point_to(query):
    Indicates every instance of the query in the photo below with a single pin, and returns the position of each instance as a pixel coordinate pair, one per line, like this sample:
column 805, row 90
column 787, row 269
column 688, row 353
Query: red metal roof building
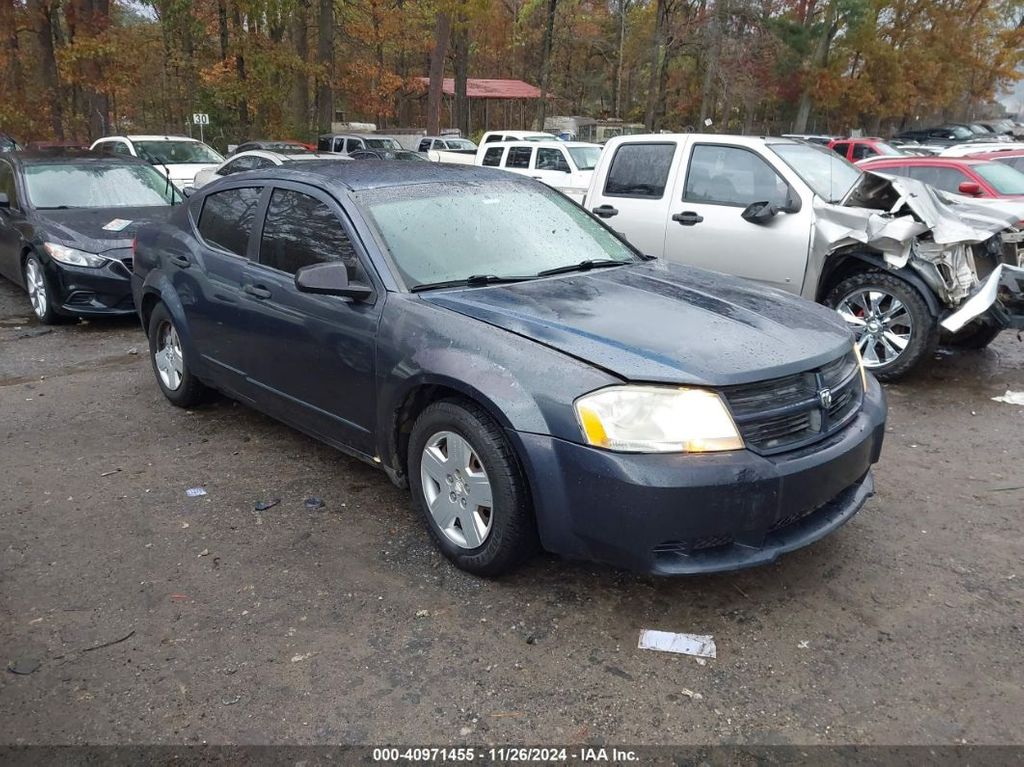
column 493, row 103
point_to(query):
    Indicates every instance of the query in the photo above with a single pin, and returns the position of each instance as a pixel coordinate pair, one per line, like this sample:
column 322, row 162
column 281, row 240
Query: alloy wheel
column 457, row 490
column 170, row 362
column 881, row 323
column 35, row 282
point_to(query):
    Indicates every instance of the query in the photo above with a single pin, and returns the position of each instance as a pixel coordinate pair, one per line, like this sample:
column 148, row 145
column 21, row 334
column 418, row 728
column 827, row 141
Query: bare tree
column 442, row 34
column 325, row 59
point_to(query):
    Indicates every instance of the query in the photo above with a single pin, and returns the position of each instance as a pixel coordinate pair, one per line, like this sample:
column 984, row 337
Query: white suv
column 179, row 158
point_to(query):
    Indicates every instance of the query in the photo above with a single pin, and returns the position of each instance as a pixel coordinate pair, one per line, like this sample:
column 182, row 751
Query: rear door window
column 301, row 230
column 425, row 145
column 639, row 170
column 842, row 148
column 492, row 157
column 227, row 218
column 518, row 157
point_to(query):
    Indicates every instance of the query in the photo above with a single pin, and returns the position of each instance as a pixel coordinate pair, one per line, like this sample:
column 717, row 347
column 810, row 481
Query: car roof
column 995, row 154
column 382, row 174
column 532, row 144
column 61, row 156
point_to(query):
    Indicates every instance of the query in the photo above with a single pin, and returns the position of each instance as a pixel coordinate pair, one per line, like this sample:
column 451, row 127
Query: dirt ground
column 342, row 625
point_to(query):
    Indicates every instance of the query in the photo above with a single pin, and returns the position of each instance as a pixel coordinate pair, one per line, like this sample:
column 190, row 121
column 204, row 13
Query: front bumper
column 91, row 292
column 685, row 514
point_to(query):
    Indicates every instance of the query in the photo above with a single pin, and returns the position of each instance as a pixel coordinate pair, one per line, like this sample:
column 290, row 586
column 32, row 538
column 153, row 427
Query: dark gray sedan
column 534, row 380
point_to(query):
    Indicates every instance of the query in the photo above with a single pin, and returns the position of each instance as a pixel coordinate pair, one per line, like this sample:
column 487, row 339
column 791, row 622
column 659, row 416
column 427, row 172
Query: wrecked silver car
column 904, row 264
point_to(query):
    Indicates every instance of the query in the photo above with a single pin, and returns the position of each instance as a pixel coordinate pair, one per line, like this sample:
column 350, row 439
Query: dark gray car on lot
column 531, row 377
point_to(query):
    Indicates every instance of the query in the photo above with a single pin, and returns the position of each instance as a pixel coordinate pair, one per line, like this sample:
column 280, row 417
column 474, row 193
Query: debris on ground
column 700, row 645
column 691, row 694
column 264, row 505
column 133, row 351
column 314, row 503
column 23, row 666
column 231, row 701
column 109, row 473
column 129, row 635
column 195, row 492
column 423, row 613
column 204, row 553
column 1011, row 398
column 300, row 658
column 804, row 644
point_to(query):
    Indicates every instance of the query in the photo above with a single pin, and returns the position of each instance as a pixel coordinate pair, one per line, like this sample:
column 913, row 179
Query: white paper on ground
column 701, row 645
column 1011, row 398
column 195, row 492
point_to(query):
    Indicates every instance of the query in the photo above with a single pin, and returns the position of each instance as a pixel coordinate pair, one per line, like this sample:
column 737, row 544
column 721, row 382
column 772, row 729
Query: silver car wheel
column 170, row 362
column 456, row 489
column 880, row 322
column 35, row 282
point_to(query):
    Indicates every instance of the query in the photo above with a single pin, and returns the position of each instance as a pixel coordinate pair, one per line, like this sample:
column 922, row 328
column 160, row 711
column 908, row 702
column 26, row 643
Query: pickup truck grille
column 793, row 411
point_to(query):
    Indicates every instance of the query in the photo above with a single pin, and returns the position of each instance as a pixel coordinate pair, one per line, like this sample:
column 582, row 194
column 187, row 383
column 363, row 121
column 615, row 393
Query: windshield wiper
column 583, row 266
column 473, row 281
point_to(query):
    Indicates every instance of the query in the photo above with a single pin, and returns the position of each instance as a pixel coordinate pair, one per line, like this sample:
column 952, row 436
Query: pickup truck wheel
column 893, row 326
column 467, row 482
column 976, row 335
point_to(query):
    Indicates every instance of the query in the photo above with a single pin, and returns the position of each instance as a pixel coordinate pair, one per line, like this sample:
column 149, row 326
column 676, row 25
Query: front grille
column 796, row 410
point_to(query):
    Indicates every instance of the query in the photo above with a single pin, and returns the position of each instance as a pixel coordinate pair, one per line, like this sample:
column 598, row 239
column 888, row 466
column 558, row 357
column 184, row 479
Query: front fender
column 524, row 385
column 158, row 284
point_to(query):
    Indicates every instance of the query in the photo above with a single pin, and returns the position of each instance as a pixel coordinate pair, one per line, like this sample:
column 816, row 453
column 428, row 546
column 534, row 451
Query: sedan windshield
column 176, row 152
column 440, row 233
column 1003, row 178
column 585, row 157
column 830, row 176
column 92, row 185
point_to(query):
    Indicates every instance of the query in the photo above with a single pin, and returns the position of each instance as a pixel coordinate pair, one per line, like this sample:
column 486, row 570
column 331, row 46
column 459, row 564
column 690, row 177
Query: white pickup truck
column 900, row 261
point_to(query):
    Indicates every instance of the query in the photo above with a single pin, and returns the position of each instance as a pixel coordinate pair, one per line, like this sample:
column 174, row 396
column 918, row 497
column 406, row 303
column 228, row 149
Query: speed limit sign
column 200, row 118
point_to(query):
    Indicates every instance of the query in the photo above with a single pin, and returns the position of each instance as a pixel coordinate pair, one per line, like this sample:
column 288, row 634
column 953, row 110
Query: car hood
column 82, row 228
column 663, row 323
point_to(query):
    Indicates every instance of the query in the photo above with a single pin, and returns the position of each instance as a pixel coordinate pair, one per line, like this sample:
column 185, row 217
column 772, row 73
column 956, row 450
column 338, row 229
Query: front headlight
column 657, row 419
column 72, row 256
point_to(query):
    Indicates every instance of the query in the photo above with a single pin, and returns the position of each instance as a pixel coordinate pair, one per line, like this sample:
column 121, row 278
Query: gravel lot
column 342, row 625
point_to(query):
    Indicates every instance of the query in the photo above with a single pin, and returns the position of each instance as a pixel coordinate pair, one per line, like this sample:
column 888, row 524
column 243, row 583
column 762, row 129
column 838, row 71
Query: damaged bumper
column 969, row 252
column 1000, row 298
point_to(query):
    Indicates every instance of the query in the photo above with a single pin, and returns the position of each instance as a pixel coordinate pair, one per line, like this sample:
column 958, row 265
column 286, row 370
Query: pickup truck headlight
column 73, row 257
column 657, row 419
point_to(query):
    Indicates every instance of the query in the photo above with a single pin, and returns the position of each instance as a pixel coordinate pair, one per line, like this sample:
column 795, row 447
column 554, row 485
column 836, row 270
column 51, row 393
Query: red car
column 960, row 175
column 854, row 149
column 1012, row 157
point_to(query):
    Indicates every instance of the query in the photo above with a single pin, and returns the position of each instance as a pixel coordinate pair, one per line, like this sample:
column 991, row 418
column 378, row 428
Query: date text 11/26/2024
column 492, row 754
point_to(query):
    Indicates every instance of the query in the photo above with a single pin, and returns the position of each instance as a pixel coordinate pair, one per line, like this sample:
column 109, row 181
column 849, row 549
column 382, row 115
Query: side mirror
column 971, row 188
column 330, row 279
column 759, row 212
column 187, row 191
column 5, row 201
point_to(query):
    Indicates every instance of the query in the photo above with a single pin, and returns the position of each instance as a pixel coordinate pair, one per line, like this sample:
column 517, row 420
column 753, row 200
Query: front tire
column 891, row 322
column 470, row 488
column 170, row 366
column 40, row 294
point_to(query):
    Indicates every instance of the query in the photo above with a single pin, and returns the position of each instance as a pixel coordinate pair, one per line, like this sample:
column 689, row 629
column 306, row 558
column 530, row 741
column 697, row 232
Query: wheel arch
column 411, row 402
column 839, row 267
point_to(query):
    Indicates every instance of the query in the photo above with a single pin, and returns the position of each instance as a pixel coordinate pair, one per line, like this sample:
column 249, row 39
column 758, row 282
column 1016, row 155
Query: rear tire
column 468, row 484
column 890, row 320
column 170, row 364
column 975, row 335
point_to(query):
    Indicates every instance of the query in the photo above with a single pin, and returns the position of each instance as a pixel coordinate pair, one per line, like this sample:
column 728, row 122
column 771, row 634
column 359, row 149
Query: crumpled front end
column 969, row 252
